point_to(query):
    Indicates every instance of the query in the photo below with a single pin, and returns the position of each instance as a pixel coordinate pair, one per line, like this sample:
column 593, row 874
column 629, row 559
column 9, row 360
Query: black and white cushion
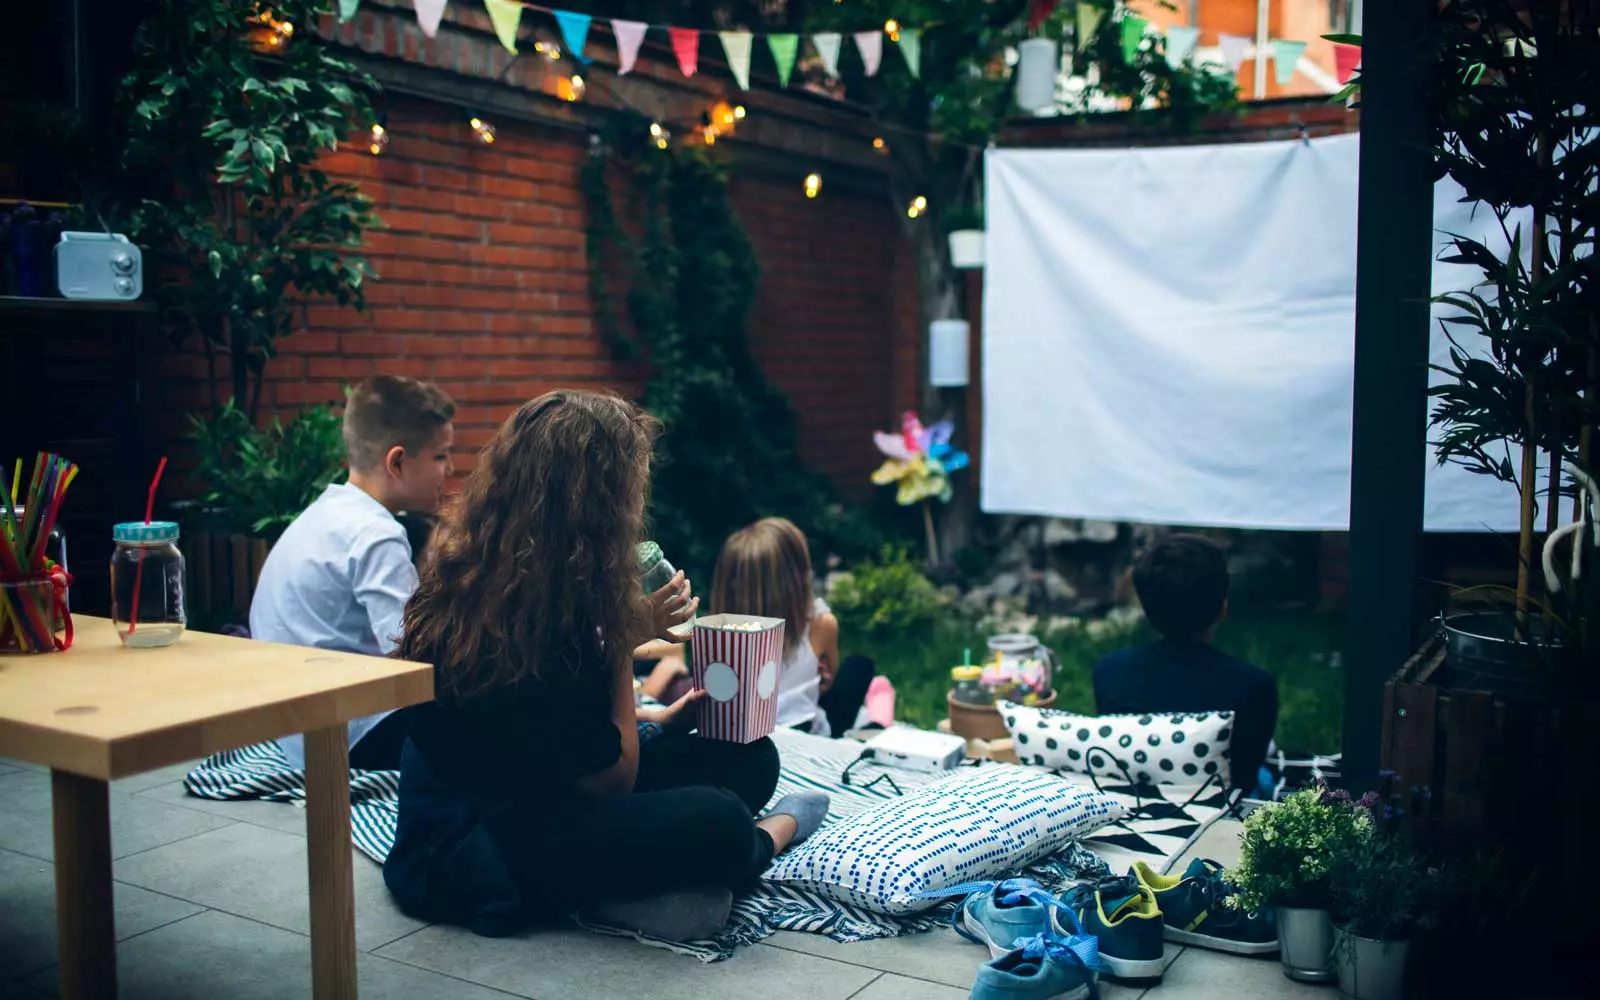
column 1170, row 749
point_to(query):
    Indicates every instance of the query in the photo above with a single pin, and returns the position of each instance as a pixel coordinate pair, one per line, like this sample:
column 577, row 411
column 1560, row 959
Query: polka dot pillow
column 981, row 823
column 1175, row 748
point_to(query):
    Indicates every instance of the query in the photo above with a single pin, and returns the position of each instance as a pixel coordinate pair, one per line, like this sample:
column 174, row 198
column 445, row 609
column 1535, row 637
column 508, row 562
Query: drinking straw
column 16, row 477
column 138, row 566
column 966, row 657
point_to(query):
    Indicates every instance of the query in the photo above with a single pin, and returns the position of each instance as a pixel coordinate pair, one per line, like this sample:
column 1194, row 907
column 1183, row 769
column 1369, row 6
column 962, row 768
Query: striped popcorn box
column 735, row 658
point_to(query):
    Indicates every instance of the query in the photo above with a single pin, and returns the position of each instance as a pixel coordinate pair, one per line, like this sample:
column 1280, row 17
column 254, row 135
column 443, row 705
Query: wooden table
column 99, row 711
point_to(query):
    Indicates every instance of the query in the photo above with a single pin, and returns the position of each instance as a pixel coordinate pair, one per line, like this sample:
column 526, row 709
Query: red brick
column 377, row 344
column 341, row 368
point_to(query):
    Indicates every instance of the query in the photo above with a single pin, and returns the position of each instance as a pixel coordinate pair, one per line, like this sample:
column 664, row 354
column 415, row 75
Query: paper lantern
column 1037, row 66
column 947, row 352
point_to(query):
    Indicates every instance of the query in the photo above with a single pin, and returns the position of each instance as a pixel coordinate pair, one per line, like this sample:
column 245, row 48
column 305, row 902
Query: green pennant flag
column 1088, row 23
column 785, row 48
column 507, row 17
column 911, row 47
column 347, row 9
column 1132, row 34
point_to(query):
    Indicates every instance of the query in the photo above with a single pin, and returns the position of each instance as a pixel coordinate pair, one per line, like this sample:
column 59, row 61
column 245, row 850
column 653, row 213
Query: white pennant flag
column 871, row 45
column 736, row 45
column 1233, row 50
column 1181, row 41
column 629, row 35
column 429, row 14
column 827, row 45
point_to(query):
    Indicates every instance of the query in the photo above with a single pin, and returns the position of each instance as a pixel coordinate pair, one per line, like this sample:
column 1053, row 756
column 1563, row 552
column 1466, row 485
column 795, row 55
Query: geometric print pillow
column 977, row 824
column 1167, row 749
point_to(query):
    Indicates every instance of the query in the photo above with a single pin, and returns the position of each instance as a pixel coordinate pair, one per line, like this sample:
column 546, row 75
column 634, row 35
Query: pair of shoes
column 1034, row 955
column 1195, row 911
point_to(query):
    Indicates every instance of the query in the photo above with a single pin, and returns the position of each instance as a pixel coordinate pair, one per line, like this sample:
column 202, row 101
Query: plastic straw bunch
column 22, row 544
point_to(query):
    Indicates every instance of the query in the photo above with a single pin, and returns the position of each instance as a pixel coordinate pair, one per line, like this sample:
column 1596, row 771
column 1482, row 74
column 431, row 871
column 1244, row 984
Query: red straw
column 138, row 566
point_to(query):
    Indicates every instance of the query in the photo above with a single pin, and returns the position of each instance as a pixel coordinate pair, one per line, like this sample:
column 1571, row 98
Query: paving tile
column 218, row 955
column 258, row 873
column 7, row 767
column 19, row 991
column 1220, row 843
column 892, row 987
column 283, row 816
column 150, row 779
column 576, row 965
column 12, row 764
column 137, row 823
column 28, row 913
column 1208, row 975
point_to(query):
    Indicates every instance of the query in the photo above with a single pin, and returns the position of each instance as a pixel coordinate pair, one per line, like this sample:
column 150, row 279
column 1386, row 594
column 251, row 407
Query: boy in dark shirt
column 1182, row 582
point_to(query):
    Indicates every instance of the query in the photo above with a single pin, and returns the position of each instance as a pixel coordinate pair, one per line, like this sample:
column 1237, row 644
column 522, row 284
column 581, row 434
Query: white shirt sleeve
column 384, row 579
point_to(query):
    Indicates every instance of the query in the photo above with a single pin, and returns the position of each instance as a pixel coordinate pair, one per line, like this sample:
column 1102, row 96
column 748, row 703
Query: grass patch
column 1294, row 648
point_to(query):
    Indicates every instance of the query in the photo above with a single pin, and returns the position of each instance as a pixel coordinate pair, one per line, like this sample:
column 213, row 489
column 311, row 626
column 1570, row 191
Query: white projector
column 915, row 749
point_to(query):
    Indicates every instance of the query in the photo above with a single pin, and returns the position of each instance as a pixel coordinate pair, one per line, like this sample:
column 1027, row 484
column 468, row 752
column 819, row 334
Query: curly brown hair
column 535, row 564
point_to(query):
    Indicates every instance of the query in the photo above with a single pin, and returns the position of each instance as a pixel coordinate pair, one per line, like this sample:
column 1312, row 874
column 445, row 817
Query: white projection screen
column 1168, row 337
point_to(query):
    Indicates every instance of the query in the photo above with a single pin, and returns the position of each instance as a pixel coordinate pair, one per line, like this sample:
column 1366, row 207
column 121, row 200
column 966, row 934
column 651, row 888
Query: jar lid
column 138, row 531
column 966, row 673
column 649, row 555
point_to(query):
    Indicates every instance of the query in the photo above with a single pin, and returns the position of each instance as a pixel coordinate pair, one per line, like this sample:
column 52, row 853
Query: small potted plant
column 965, row 225
column 1380, row 890
column 1286, row 865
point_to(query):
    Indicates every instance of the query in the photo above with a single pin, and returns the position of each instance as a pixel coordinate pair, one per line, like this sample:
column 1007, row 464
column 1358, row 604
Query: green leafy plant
column 221, row 183
column 265, row 478
column 965, row 215
column 1287, row 850
column 888, row 595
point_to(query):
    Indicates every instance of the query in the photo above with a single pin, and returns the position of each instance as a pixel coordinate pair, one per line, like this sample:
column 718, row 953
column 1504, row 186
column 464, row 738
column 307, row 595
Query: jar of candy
column 147, row 584
column 965, row 686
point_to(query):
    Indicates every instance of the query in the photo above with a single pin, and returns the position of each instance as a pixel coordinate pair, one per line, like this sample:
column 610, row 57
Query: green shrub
column 885, row 596
column 265, row 478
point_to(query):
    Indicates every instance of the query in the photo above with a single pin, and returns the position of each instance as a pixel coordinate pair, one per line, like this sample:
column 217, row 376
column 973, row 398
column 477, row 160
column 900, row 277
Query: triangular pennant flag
column 1285, row 57
column 575, row 32
column 911, row 48
column 1132, row 34
column 736, row 46
column 1038, row 11
column 1346, row 60
column 827, row 45
column 429, row 14
column 1233, row 50
column 1181, row 40
column 507, row 17
column 630, row 35
column 784, row 50
column 347, row 9
column 870, row 43
column 1088, row 23
column 686, row 46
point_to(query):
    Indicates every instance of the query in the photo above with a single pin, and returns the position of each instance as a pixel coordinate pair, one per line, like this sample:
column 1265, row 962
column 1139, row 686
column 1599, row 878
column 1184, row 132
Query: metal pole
column 1389, row 434
column 1263, row 30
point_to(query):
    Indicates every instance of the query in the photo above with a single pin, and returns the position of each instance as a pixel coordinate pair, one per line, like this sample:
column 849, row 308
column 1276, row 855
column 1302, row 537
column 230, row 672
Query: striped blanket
column 1165, row 822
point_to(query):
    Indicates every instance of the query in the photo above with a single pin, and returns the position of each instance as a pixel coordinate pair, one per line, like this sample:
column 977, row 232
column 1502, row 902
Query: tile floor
column 211, row 901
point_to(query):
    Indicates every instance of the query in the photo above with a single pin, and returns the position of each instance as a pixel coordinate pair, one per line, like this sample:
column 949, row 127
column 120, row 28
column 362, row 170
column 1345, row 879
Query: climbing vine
column 728, row 452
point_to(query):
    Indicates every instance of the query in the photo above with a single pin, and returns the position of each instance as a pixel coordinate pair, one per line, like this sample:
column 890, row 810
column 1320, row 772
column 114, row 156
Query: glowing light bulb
column 377, row 140
column 662, row 140
column 738, row 112
column 711, row 138
column 723, row 116
column 918, row 205
column 891, row 28
column 656, row 130
column 550, row 50
column 484, row 130
column 571, row 88
column 879, row 145
column 813, row 185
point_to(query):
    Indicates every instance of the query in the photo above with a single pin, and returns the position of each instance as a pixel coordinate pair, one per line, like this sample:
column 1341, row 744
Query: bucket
column 966, row 249
column 1370, row 969
column 1483, row 653
column 1305, row 944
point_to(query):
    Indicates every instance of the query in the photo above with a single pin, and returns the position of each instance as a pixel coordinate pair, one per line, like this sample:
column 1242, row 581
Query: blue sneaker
column 1043, row 967
column 1124, row 916
column 998, row 914
column 1194, row 911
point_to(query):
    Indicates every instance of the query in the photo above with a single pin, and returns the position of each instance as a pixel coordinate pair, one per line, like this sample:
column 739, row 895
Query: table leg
column 87, row 941
column 333, row 907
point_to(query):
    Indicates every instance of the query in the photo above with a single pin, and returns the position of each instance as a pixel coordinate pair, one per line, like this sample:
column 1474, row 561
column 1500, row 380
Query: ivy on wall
column 728, row 453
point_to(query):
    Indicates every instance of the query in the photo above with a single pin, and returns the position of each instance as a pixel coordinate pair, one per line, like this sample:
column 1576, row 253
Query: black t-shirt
column 1188, row 676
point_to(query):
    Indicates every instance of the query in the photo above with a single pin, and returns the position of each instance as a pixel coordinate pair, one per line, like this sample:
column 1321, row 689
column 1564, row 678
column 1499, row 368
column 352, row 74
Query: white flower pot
column 1370, row 969
column 1305, row 944
column 966, row 249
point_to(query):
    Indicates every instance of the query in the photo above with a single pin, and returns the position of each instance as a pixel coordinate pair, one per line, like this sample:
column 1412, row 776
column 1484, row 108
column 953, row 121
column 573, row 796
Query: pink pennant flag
column 1346, row 60
column 1233, row 50
column 686, row 45
column 429, row 14
column 870, row 43
column 629, row 35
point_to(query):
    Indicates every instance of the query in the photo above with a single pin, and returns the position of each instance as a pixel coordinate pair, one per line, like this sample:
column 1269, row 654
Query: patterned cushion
column 1175, row 748
column 984, row 823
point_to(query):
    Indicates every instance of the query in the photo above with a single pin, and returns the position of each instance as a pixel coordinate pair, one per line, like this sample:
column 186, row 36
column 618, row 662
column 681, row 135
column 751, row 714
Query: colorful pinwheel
column 920, row 460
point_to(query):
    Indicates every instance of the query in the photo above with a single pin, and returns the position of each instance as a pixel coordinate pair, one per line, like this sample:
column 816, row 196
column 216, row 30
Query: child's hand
column 679, row 716
column 670, row 606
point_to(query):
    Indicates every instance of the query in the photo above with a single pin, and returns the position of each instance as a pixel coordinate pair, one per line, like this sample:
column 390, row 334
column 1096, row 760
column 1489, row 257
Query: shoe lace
column 1080, row 950
column 1008, row 892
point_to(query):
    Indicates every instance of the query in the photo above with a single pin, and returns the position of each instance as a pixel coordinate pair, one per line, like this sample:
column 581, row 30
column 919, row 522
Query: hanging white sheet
column 1169, row 337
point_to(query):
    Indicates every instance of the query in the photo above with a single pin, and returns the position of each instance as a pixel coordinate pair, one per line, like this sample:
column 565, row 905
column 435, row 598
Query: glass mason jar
column 964, row 686
column 147, row 584
column 656, row 572
column 55, row 546
column 31, row 615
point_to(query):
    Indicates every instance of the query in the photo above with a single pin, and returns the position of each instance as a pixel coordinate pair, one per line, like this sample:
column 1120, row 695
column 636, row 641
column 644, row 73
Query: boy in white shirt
column 340, row 576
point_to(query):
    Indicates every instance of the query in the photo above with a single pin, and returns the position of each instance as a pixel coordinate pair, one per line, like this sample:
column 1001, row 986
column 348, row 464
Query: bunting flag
column 686, row 46
column 629, row 35
column 1233, row 48
column 1181, row 42
column 1038, row 12
column 575, row 32
column 827, row 45
column 506, row 16
column 429, row 14
column 911, row 47
column 1088, row 23
column 1285, row 57
column 1346, row 60
column 736, row 46
column 785, row 48
column 347, row 9
column 1132, row 34
column 870, row 45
